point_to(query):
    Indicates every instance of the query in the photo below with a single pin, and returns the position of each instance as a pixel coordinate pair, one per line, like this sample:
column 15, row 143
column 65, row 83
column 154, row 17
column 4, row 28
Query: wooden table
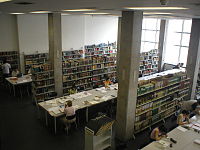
column 185, row 139
column 15, row 81
column 80, row 100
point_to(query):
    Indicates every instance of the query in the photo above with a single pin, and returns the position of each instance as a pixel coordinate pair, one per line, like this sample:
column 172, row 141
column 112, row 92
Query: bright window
column 177, row 41
column 150, row 34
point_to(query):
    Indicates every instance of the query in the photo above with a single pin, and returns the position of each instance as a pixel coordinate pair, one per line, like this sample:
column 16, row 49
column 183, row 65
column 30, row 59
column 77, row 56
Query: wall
column 8, row 33
column 33, row 35
column 73, row 32
column 100, row 29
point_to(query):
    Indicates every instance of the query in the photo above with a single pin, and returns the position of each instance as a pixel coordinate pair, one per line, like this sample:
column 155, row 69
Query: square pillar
column 130, row 41
column 192, row 66
column 55, row 49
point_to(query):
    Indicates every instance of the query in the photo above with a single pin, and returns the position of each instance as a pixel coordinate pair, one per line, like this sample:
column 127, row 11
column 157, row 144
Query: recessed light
column 2, row 1
column 155, row 8
column 156, row 13
column 40, row 12
column 74, row 10
column 17, row 13
column 96, row 13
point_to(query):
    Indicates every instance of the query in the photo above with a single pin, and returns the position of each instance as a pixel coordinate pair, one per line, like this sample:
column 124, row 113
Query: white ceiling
column 112, row 6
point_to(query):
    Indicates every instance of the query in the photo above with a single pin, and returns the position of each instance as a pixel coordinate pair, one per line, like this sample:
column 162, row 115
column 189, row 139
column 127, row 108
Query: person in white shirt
column 6, row 68
column 15, row 72
column 70, row 114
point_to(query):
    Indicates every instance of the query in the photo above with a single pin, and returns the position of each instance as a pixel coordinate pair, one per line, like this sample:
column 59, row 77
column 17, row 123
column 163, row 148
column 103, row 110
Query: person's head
column 162, row 129
column 185, row 113
column 107, row 78
column 69, row 103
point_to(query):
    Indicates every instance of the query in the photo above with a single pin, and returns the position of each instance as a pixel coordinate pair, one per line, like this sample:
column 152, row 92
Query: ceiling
column 112, row 6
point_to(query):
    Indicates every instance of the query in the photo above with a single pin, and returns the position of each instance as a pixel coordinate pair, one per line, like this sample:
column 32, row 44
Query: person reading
column 107, row 82
column 158, row 133
column 183, row 118
column 15, row 72
column 70, row 115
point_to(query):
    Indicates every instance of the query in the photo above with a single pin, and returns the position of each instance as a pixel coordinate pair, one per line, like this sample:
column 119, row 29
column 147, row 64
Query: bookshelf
column 12, row 57
column 88, row 69
column 34, row 59
column 158, row 98
column 148, row 63
column 43, row 87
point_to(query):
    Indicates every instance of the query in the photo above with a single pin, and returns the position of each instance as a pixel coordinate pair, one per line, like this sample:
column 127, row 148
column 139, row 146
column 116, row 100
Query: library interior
column 100, row 75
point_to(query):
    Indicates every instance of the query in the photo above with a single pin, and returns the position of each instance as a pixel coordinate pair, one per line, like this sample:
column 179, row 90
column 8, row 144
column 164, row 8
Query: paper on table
column 93, row 102
column 62, row 109
column 181, row 129
column 197, row 141
column 53, row 108
column 164, row 143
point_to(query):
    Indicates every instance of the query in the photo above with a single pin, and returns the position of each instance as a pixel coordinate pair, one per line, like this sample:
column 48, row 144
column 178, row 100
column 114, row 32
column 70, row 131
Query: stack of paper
column 55, row 110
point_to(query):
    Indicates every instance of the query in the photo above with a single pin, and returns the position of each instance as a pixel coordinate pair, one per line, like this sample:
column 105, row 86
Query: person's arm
column 157, row 137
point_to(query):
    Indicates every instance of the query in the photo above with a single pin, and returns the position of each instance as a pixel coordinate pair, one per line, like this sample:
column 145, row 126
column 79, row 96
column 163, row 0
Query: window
column 150, row 34
column 177, row 41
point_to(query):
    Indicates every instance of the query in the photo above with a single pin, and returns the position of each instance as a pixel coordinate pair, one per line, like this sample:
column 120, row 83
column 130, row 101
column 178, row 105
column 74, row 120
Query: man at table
column 183, row 118
column 70, row 117
column 158, row 133
column 107, row 82
column 6, row 69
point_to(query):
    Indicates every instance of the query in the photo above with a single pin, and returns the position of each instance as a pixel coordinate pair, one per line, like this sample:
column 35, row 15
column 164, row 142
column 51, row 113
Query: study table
column 15, row 81
column 185, row 138
column 86, row 99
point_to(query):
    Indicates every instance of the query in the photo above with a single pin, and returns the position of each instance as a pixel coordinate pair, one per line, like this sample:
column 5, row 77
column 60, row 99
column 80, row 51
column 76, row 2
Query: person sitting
column 15, row 72
column 183, row 118
column 107, row 82
column 158, row 133
column 73, row 89
column 70, row 115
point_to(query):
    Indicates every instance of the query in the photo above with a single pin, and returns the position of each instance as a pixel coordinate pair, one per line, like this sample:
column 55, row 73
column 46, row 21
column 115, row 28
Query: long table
column 185, row 138
column 86, row 99
column 15, row 81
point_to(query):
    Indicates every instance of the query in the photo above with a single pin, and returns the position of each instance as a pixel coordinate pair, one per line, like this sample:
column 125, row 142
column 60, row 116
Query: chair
column 68, row 123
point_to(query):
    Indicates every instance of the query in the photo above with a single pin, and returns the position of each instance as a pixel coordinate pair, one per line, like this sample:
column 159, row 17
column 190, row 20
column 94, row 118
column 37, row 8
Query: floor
column 21, row 129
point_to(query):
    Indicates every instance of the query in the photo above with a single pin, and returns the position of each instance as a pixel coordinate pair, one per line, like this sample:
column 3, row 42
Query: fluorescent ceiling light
column 98, row 13
column 156, row 13
column 1, row 1
column 40, row 12
column 17, row 13
column 74, row 10
column 155, row 8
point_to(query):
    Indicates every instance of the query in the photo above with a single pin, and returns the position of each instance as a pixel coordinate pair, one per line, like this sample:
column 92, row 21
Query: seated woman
column 158, row 133
column 70, row 117
column 107, row 82
column 183, row 118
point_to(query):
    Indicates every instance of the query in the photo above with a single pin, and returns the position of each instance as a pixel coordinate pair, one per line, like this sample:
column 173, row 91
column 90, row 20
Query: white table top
column 21, row 80
column 93, row 97
column 185, row 139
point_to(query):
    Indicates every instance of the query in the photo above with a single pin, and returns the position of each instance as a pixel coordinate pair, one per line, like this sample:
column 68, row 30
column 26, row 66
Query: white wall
column 100, row 29
column 33, row 35
column 8, row 33
column 73, row 32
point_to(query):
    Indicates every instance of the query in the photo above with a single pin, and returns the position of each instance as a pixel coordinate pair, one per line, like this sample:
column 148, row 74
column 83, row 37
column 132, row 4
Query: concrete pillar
column 55, row 49
column 161, row 44
column 118, row 44
column 130, row 41
column 192, row 66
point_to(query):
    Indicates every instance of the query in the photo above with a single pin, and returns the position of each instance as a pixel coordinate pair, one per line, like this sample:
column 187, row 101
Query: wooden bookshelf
column 34, row 59
column 158, row 98
column 13, row 59
column 43, row 87
column 87, row 70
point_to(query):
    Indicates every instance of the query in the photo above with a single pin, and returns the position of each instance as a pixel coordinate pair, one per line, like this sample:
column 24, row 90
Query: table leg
column 14, row 90
column 46, row 119
column 86, row 114
column 55, row 125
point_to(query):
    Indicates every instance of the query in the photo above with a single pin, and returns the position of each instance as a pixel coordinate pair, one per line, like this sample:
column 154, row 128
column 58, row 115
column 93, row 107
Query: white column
column 130, row 41
column 192, row 66
column 55, row 49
